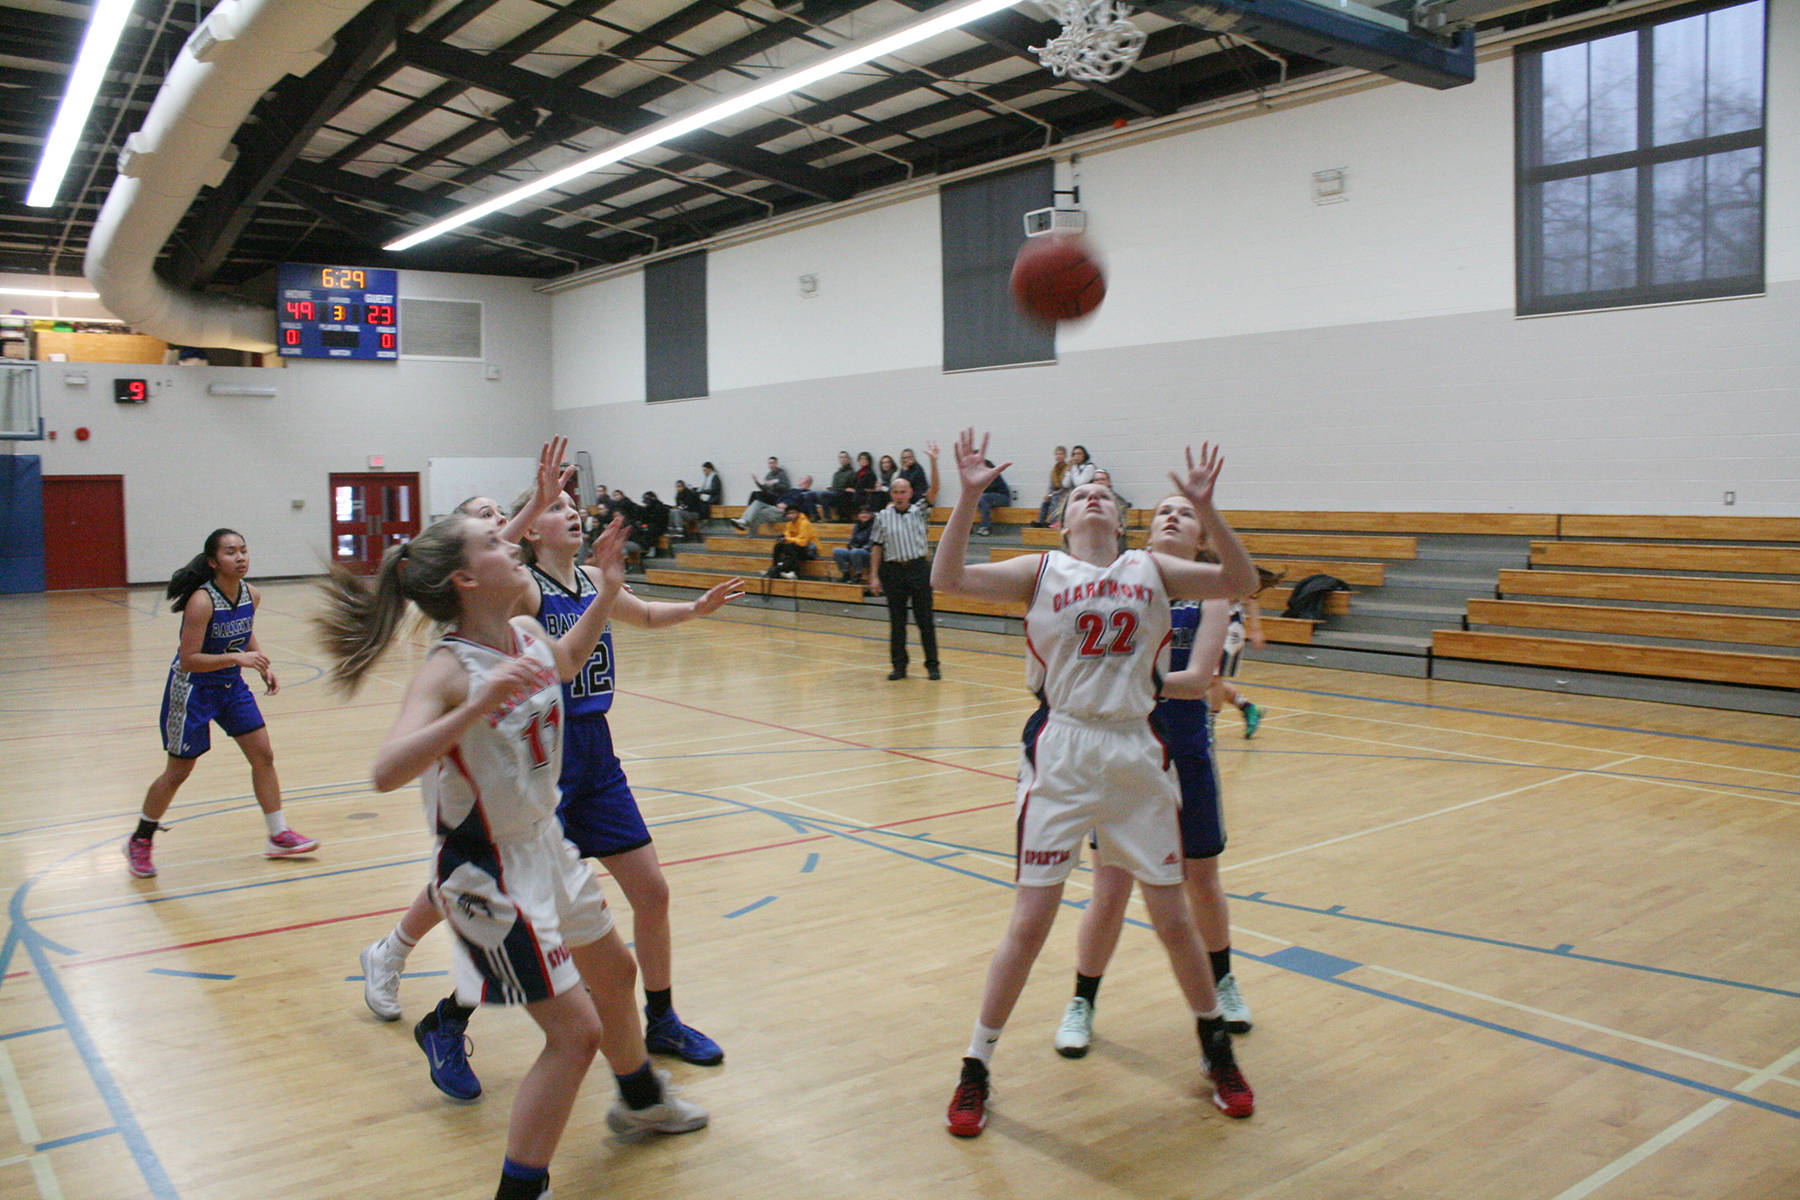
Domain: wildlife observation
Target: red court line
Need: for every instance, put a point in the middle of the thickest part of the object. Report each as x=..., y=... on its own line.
x=385, y=912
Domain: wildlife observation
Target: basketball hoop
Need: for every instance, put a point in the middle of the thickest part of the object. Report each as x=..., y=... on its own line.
x=1097, y=42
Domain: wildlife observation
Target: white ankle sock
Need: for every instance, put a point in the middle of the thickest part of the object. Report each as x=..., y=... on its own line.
x=276, y=821
x=981, y=1045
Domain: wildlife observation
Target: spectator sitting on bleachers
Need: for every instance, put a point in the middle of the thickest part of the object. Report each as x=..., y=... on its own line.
x=839, y=500
x=711, y=489
x=915, y=474
x=690, y=509
x=1053, y=498
x=1080, y=471
x=997, y=495
x=865, y=485
x=757, y=514
x=798, y=544
x=772, y=486
x=885, y=470
x=653, y=515
x=852, y=559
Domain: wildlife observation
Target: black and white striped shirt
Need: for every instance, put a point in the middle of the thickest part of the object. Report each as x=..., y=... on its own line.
x=902, y=534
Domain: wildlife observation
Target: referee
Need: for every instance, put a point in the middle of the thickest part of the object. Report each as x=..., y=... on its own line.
x=900, y=558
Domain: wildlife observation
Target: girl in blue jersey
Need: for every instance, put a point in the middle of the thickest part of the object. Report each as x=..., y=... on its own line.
x=1185, y=720
x=482, y=727
x=206, y=685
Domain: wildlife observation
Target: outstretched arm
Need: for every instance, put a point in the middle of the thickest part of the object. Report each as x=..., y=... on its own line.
x=575, y=647
x=1234, y=575
x=551, y=480
x=660, y=614
x=437, y=710
x=950, y=570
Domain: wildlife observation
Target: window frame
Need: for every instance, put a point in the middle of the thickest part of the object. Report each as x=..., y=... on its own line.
x=1528, y=177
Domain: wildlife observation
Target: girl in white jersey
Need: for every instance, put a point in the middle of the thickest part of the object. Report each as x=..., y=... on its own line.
x=482, y=724
x=1096, y=640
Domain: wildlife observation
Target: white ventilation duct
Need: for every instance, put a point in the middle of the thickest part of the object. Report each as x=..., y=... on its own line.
x=241, y=50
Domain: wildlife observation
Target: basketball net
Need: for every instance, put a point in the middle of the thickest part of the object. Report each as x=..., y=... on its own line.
x=1097, y=42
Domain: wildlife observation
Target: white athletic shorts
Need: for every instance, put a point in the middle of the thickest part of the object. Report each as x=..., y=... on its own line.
x=1110, y=778
x=515, y=918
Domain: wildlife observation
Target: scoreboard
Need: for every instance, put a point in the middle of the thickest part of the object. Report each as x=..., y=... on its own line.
x=337, y=312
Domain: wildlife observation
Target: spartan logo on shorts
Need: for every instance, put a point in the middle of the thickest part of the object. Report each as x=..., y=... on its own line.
x=1043, y=858
x=474, y=906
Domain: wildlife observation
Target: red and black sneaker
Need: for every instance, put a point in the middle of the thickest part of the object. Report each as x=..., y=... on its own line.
x=968, y=1106
x=1231, y=1091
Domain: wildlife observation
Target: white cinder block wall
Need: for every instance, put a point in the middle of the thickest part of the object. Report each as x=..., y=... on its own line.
x=1361, y=355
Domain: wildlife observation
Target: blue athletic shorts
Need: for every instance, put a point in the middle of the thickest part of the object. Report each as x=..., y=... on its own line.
x=189, y=709
x=598, y=812
x=1186, y=727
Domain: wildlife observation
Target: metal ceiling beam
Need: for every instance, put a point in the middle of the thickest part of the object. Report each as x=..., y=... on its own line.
x=421, y=207
x=282, y=125
x=438, y=97
x=595, y=109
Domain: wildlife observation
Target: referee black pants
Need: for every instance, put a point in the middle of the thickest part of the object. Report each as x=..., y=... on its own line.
x=903, y=582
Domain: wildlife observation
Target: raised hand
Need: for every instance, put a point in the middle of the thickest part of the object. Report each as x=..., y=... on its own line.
x=718, y=596
x=971, y=462
x=609, y=553
x=551, y=478
x=1197, y=485
x=931, y=450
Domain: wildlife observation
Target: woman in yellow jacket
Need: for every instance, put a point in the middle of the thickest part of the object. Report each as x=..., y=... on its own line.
x=799, y=542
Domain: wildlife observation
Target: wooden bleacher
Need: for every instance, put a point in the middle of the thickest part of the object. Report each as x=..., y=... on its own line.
x=1672, y=589
x=1669, y=556
x=1687, y=529
x=1639, y=622
x=1501, y=524
x=1622, y=658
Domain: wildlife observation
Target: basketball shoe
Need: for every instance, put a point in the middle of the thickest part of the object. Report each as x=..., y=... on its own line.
x=1237, y=1013
x=381, y=980
x=671, y=1115
x=443, y=1036
x=287, y=843
x=1231, y=1091
x=967, y=1116
x=1252, y=718
x=1076, y=1032
x=666, y=1034
x=137, y=858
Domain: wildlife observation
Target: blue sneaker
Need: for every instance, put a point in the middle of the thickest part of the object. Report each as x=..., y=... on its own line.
x=1252, y=718
x=444, y=1039
x=667, y=1035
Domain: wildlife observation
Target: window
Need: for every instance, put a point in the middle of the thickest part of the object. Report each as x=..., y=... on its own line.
x=675, y=328
x=982, y=223
x=1640, y=161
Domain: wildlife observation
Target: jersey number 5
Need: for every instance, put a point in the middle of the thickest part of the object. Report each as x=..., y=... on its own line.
x=1093, y=631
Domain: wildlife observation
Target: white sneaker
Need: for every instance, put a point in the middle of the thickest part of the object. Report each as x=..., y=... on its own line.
x=381, y=980
x=1077, y=1029
x=673, y=1115
x=1237, y=1013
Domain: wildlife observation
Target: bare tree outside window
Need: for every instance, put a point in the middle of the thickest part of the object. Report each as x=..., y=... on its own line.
x=1640, y=173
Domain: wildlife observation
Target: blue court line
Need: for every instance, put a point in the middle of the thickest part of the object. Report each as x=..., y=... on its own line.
x=7, y=1037
x=1565, y=950
x=1580, y=1051
x=403, y=975
x=812, y=860
x=230, y=803
x=189, y=974
x=317, y=674
x=149, y=1166
x=750, y=908
x=73, y=1138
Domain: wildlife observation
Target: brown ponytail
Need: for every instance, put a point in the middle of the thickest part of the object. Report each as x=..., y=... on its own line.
x=359, y=620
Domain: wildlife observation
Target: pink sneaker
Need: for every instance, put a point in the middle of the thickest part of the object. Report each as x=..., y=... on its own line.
x=287, y=843
x=137, y=857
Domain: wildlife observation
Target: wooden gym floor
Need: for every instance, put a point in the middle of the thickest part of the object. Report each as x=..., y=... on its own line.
x=1498, y=943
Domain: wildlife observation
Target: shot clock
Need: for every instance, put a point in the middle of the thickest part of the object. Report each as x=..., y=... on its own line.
x=337, y=312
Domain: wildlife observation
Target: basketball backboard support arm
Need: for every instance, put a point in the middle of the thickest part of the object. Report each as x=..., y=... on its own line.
x=1339, y=31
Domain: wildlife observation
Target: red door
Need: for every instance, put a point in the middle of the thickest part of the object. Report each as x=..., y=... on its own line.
x=371, y=511
x=84, y=531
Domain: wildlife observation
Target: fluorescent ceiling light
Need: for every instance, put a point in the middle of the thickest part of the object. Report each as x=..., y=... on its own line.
x=673, y=127
x=103, y=32
x=12, y=291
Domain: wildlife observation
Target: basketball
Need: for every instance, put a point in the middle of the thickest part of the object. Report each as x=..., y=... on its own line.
x=1055, y=278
